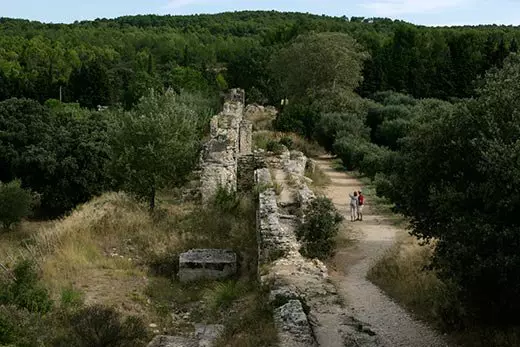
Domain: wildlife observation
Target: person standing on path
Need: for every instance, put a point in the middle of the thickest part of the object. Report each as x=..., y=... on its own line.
x=354, y=203
x=361, y=203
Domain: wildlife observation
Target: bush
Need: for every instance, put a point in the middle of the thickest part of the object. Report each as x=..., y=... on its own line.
x=350, y=150
x=275, y=147
x=287, y=142
x=24, y=290
x=319, y=229
x=223, y=294
x=16, y=203
x=331, y=125
x=298, y=118
x=102, y=326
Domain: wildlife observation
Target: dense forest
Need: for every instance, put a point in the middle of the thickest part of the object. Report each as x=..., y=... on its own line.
x=430, y=114
x=108, y=62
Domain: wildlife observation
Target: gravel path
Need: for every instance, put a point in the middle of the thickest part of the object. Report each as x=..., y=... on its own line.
x=365, y=301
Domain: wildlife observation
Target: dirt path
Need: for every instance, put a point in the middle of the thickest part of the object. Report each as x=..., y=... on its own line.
x=365, y=301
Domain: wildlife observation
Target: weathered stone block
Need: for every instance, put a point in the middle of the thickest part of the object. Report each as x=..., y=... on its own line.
x=294, y=328
x=210, y=264
x=208, y=334
x=246, y=137
x=173, y=341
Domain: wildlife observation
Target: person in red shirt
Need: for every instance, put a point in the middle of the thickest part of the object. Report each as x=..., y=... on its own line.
x=361, y=199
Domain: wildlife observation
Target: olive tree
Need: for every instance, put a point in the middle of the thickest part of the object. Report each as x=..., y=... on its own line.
x=156, y=145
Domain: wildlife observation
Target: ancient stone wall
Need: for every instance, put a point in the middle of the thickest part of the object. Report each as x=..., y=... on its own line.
x=278, y=259
x=231, y=137
x=300, y=289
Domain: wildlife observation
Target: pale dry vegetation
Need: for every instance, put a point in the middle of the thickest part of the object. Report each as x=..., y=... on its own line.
x=269, y=139
x=112, y=251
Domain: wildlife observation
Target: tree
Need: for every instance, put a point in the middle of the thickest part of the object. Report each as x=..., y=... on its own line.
x=60, y=153
x=157, y=144
x=458, y=182
x=16, y=203
x=318, y=62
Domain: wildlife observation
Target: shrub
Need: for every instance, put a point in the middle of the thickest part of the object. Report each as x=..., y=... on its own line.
x=24, y=290
x=223, y=294
x=350, y=150
x=287, y=142
x=331, y=125
x=102, y=326
x=16, y=203
x=319, y=229
x=275, y=147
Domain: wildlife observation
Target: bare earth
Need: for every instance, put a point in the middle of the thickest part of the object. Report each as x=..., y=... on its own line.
x=363, y=300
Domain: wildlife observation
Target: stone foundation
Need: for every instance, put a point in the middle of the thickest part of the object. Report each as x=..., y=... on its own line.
x=207, y=264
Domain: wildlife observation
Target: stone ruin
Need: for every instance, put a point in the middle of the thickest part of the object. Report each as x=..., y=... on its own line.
x=231, y=137
x=307, y=306
x=213, y=264
x=307, y=309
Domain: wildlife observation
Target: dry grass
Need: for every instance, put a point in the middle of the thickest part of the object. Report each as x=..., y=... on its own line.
x=319, y=178
x=117, y=254
x=310, y=149
x=101, y=249
x=262, y=120
x=402, y=275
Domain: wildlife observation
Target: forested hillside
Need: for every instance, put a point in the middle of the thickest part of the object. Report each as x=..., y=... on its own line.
x=430, y=115
x=106, y=62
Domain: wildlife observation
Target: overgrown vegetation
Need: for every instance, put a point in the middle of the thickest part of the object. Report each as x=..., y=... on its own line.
x=16, y=203
x=273, y=141
x=319, y=230
x=29, y=317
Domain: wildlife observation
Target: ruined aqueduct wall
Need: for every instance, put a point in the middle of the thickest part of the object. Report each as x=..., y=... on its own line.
x=297, y=285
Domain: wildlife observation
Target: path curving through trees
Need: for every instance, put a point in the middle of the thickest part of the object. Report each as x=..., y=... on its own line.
x=364, y=300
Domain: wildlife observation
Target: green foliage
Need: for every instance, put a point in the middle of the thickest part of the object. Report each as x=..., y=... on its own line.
x=71, y=298
x=318, y=62
x=58, y=154
x=16, y=203
x=287, y=142
x=319, y=229
x=157, y=144
x=223, y=294
x=298, y=118
x=274, y=146
x=457, y=183
x=24, y=290
x=332, y=125
x=221, y=82
x=102, y=326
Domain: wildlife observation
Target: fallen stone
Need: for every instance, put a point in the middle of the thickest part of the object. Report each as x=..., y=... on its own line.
x=207, y=334
x=294, y=328
x=210, y=264
x=173, y=341
x=357, y=333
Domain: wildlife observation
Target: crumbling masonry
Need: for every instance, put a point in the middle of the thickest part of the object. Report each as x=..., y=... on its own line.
x=231, y=139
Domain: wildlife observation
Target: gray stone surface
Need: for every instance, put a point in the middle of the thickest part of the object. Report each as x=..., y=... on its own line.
x=210, y=264
x=294, y=328
x=246, y=137
x=173, y=341
x=218, y=160
x=207, y=334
